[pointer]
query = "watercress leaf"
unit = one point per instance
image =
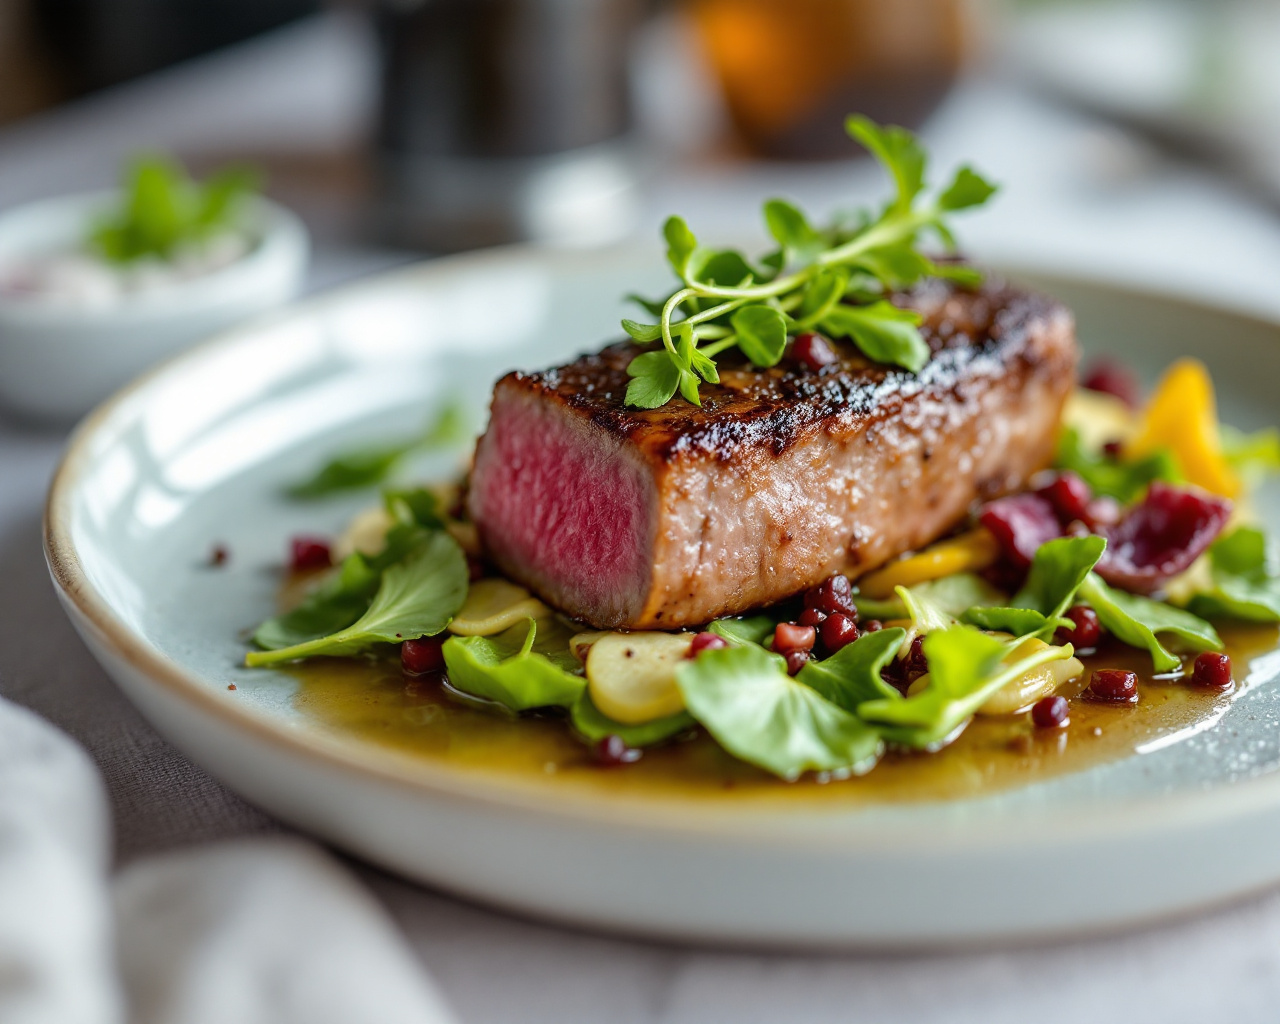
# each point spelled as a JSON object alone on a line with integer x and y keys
{"x": 752, "y": 630}
{"x": 1140, "y": 621}
{"x": 689, "y": 387}
{"x": 1253, "y": 456}
{"x": 960, "y": 273}
{"x": 725, "y": 267}
{"x": 643, "y": 333}
{"x": 594, "y": 725}
{"x": 416, "y": 597}
{"x": 882, "y": 331}
{"x": 506, "y": 669}
{"x": 338, "y": 601}
{"x": 745, "y": 699}
{"x": 967, "y": 189}
{"x": 704, "y": 366}
{"x": 414, "y": 506}
{"x": 852, "y": 675}
{"x": 771, "y": 264}
{"x": 965, "y": 668}
{"x": 653, "y": 307}
{"x": 1058, "y": 569}
{"x": 822, "y": 293}
{"x": 792, "y": 230}
{"x": 1244, "y": 586}
{"x": 953, "y": 595}
{"x": 897, "y": 266}
{"x": 1122, "y": 480}
{"x": 899, "y": 152}
{"x": 762, "y": 333}
{"x": 655, "y": 378}
{"x": 925, "y": 615}
{"x": 1020, "y": 622}
{"x": 681, "y": 245}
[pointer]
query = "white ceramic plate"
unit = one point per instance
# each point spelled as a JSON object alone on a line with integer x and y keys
{"x": 198, "y": 452}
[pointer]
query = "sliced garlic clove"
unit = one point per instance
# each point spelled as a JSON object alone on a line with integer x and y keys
{"x": 366, "y": 533}
{"x": 494, "y": 605}
{"x": 580, "y": 643}
{"x": 632, "y": 676}
{"x": 1019, "y": 694}
{"x": 467, "y": 536}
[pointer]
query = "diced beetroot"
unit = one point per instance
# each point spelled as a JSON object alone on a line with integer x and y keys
{"x": 1111, "y": 378}
{"x": 309, "y": 553}
{"x": 1070, "y": 497}
{"x": 706, "y": 642}
{"x": 1020, "y": 523}
{"x": 1161, "y": 537}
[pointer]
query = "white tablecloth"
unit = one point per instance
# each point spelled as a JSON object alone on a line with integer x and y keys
{"x": 1076, "y": 197}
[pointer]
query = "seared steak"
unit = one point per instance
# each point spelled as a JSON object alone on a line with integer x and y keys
{"x": 670, "y": 517}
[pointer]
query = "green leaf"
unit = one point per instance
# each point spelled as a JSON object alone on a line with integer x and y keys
{"x": 753, "y": 630}
{"x": 966, "y": 277}
{"x": 334, "y": 605}
{"x": 1253, "y": 456}
{"x": 594, "y": 725}
{"x": 851, "y": 676}
{"x": 655, "y": 379}
{"x": 882, "y": 331}
{"x": 653, "y": 307}
{"x": 416, "y": 597}
{"x": 821, "y": 295}
{"x": 899, "y": 152}
{"x": 966, "y": 668}
{"x": 365, "y": 467}
{"x": 727, "y": 268}
{"x": 792, "y": 230}
{"x": 704, "y": 366}
{"x": 762, "y": 334}
{"x": 897, "y": 266}
{"x": 414, "y": 506}
{"x": 643, "y": 333}
{"x": 689, "y": 387}
{"x": 745, "y": 699}
{"x": 508, "y": 670}
{"x": 967, "y": 189}
{"x": 1058, "y": 570}
{"x": 1139, "y": 621}
{"x": 1124, "y": 481}
{"x": 223, "y": 192}
{"x": 1244, "y": 586}
{"x": 681, "y": 245}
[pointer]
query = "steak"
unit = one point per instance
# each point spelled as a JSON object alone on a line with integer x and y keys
{"x": 671, "y": 517}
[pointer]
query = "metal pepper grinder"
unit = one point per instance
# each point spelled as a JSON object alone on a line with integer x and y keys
{"x": 506, "y": 120}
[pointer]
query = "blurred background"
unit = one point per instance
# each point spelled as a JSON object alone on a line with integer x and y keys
{"x": 1126, "y": 132}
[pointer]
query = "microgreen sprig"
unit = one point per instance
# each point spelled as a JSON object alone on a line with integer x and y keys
{"x": 833, "y": 280}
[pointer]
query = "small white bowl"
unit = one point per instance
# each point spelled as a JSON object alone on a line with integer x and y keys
{"x": 57, "y": 361}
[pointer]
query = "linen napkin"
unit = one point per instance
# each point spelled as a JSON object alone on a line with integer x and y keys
{"x": 256, "y": 931}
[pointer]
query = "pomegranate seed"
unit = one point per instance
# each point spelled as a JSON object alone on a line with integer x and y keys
{"x": 422, "y": 656}
{"x": 706, "y": 642}
{"x": 219, "y": 555}
{"x": 1114, "y": 684}
{"x": 309, "y": 553}
{"x": 834, "y": 594}
{"x": 796, "y": 661}
{"x": 790, "y": 637}
{"x": 1086, "y": 632}
{"x": 916, "y": 664}
{"x": 811, "y": 617}
{"x": 1213, "y": 670}
{"x": 814, "y": 351}
{"x": 872, "y": 626}
{"x": 1113, "y": 379}
{"x": 1050, "y": 712}
{"x": 838, "y": 632}
{"x": 1113, "y": 449}
{"x": 1069, "y": 496}
{"x": 612, "y": 751}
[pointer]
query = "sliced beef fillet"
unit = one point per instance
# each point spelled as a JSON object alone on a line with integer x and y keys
{"x": 670, "y": 517}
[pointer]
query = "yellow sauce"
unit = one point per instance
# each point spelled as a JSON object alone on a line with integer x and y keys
{"x": 372, "y": 701}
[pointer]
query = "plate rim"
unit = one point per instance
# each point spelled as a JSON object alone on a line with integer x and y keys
{"x": 697, "y": 816}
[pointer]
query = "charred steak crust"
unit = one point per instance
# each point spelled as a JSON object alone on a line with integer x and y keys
{"x": 782, "y": 476}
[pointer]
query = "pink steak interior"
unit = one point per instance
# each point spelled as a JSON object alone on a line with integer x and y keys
{"x": 564, "y": 508}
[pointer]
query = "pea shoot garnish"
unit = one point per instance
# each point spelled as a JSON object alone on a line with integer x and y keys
{"x": 834, "y": 280}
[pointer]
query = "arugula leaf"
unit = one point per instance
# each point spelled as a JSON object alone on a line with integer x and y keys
{"x": 1253, "y": 456}
{"x": 416, "y": 597}
{"x": 1058, "y": 569}
{"x": 681, "y": 245}
{"x": 594, "y": 725}
{"x": 655, "y": 379}
{"x": 762, "y": 334}
{"x": 365, "y": 467}
{"x": 965, "y": 668}
{"x": 1138, "y": 622}
{"x": 745, "y": 699}
{"x": 882, "y": 331}
{"x": 334, "y": 605}
{"x": 1125, "y": 481}
{"x": 852, "y": 675}
{"x": 792, "y": 230}
{"x": 1244, "y": 585}
{"x": 968, "y": 188}
{"x": 507, "y": 670}
{"x": 897, "y": 149}
{"x": 754, "y": 630}
{"x": 821, "y": 296}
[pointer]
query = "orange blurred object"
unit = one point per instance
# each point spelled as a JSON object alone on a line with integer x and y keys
{"x": 792, "y": 69}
